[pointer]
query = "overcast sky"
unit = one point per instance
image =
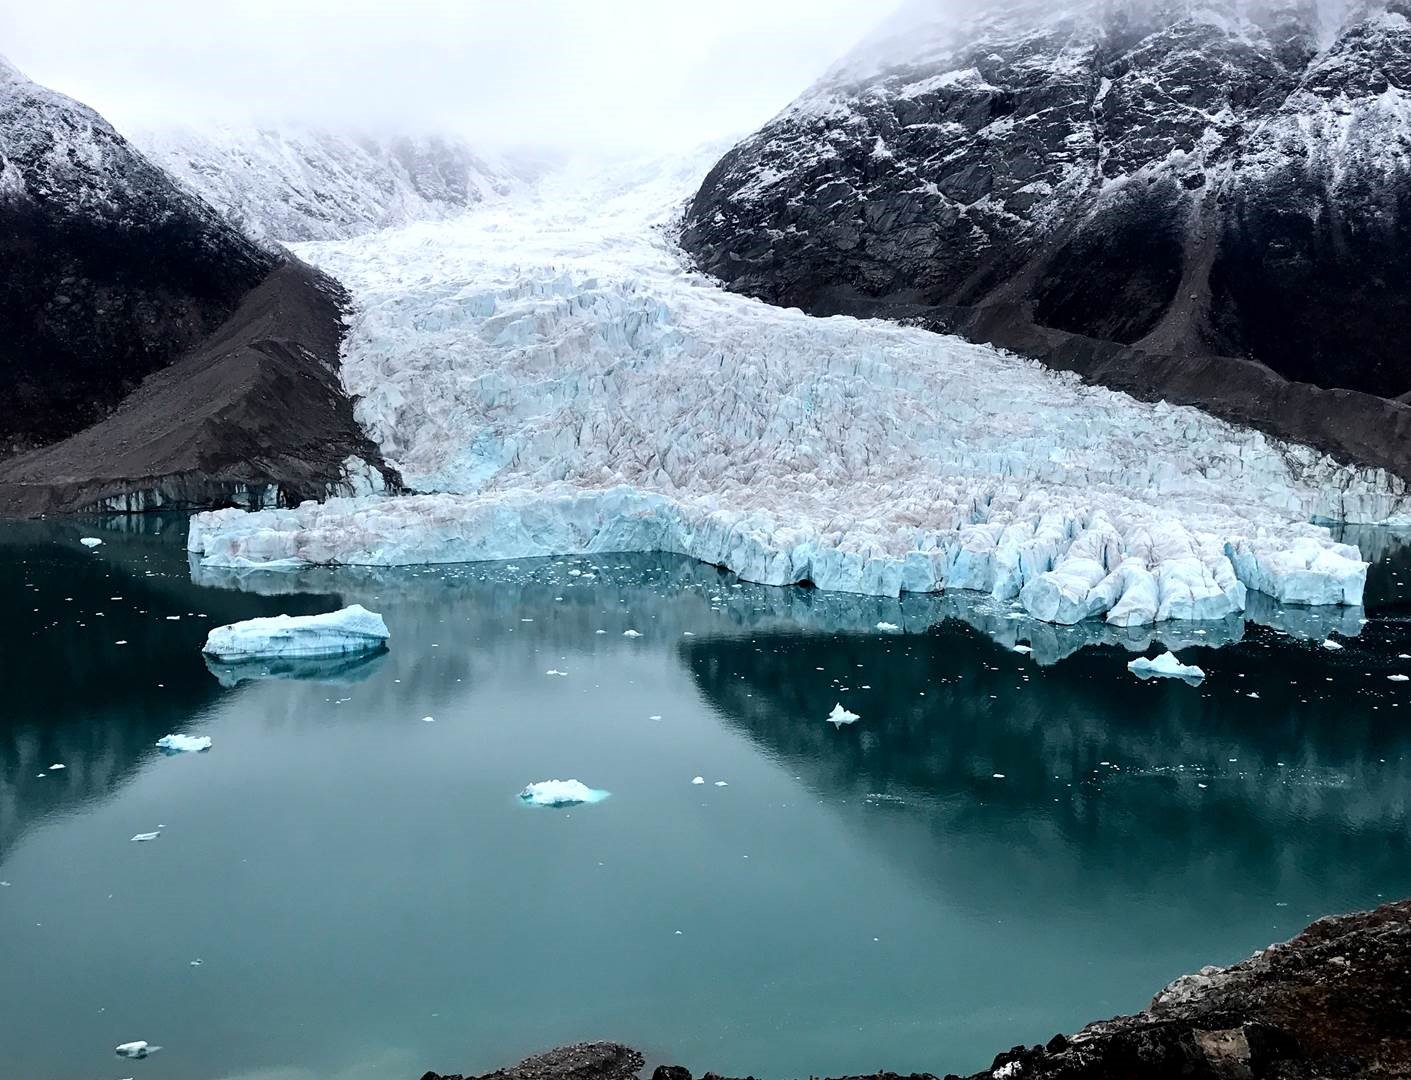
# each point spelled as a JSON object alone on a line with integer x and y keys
{"x": 630, "y": 73}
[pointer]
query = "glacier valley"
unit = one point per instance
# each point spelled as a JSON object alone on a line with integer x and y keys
{"x": 553, "y": 378}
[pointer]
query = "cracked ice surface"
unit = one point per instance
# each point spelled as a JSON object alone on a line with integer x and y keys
{"x": 565, "y": 386}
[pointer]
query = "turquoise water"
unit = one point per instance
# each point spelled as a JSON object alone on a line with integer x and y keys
{"x": 367, "y": 896}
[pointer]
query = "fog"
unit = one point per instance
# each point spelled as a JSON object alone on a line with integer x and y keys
{"x": 570, "y": 73}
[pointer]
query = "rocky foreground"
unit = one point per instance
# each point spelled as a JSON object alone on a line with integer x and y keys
{"x": 1333, "y": 1002}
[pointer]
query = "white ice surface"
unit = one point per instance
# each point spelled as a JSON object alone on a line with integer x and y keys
{"x": 90, "y": 541}
{"x": 551, "y": 371}
{"x": 840, "y": 716}
{"x": 351, "y": 630}
{"x": 139, "y": 1049}
{"x": 1164, "y": 666}
{"x": 184, "y": 744}
{"x": 561, "y": 793}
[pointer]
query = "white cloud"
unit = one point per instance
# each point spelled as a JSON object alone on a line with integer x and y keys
{"x": 556, "y": 72}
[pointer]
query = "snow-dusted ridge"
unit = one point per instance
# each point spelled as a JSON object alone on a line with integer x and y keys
{"x": 295, "y": 184}
{"x": 551, "y": 369}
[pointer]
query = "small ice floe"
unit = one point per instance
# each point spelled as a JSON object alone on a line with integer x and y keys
{"x": 840, "y": 716}
{"x": 698, "y": 779}
{"x": 184, "y": 744}
{"x": 1021, "y": 649}
{"x": 559, "y": 793}
{"x": 1399, "y": 678}
{"x": 90, "y": 542}
{"x": 555, "y": 671}
{"x": 722, "y": 783}
{"x": 1253, "y": 694}
{"x": 630, "y": 633}
{"x": 1164, "y": 666}
{"x": 888, "y": 627}
{"x": 139, "y": 1049}
{"x": 197, "y": 962}
{"x": 57, "y": 766}
{"x": 1331, "y": 645}
{"x": 351, "y": 630}
{"x": 997, "y": 776}
{"x": 428, "y": 719}
{"x": 143, "y": 837}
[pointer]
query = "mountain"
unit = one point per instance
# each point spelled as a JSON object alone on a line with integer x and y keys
{"x": 1151, "y": 192}
{"x": 300, "y": 184}
{"x": 111, "y": 269}
{"x": 152, "y": 354}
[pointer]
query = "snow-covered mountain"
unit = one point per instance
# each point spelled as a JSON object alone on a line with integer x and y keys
{"x": 108, "y": 268}
{"x": 292, "y": 184}
{"x": 151, "y": 353}
{"x": 1108, "y": 183}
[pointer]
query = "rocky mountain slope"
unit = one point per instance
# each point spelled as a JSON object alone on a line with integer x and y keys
{"x": 153, "y": 355}
{"x": 298, "y": 184}
{"x": 1331, "y": 1003}
{"x": 110, "y": 269}
{"x": 1132, "y": 188}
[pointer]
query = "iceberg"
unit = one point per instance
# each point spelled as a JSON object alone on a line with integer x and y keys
{"x": 352, "y": 630}
{"x": 139, "y": 1049}
{"x": 1164, "y": 666}
{"x": 840, "y": 716}
{"x": 143, "y": 837}
{"x": 559, "y": 793}
{"x": 90, "y": 541}
{"x": 184, "y": 744}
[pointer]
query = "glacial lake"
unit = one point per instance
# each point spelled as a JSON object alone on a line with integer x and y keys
{"x": 998, "y": 850}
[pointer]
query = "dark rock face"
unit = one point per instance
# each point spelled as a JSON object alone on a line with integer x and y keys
{"x": 1128, "y": 178}
{"x": 1332, "y": 1003}
{"x": 255, "y": 414}
{"x": 108, "y": 270}
{"x": 582, "y": 1061}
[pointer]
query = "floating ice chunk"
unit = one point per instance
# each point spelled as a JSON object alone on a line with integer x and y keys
{"x": 90, "y": 542}
{"x": 56, "y": 767}
{"x": 840, "y": 716}
{"x": 143, "y": 837}
{"x": 998, "y": 776}
{"x": 1164, "y": 666}
{"x": 555, "y": 671}
{"x": 428, "y": 719}
{"x": 561, "y": 793}
{"x": 139, "y": 1049}
{"x": 722, "y": 783}
{"x": 351, "y": 630}
{"x": 888, "y": 627}
{"x": 1399, "y": 678}
{"x": 1022, "y": 649}
{"x": 698, "y": 779}
{"x": 630, "y": 633}
{"x": 184, "y": 744}
{"x": 1331, "y": 645}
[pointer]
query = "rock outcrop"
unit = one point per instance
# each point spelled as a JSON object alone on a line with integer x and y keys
{"x": 1205, "y": 202}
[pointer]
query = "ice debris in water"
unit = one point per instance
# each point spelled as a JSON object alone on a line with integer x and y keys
{"x": 630, "y": 633}
{"x": 57, "y": 766}
{"x": 1331, "y": 645}
{"x": 888, "y": 627}
{"x": 1399, "y": 678}
{"x": 90, "y": 542}
{"x": 1164, "y": 666}
{"x": 1022, "y": 649}
{"x": 698, "y": 779}
{"x": 139, "y": 1049}
{"x": 840, "y": 716}
{"x": 184, "y": 744}
{"x": 353, "y": 629}
{"x": 561, "y": 793}
{"x": 143, "y": 837}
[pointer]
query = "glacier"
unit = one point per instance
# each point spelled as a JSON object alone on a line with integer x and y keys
{"x": 354, "y": 629}
{"x": 555, "y": 380}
